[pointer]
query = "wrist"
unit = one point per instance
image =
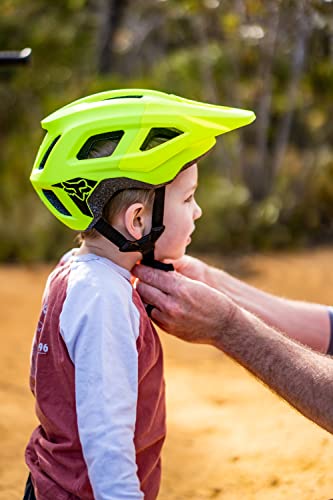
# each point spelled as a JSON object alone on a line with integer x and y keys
{"x": 230, "y": 317}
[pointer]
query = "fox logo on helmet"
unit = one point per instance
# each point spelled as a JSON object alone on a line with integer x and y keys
{"x": 79, "y": 190}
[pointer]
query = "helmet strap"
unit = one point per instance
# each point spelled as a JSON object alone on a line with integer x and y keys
{"x": 146, "y": 244}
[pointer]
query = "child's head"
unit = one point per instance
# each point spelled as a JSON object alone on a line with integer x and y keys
{"x": 122, "y": 163}
{"x": 130, "y": 210}
{"x": 122, "y": 200}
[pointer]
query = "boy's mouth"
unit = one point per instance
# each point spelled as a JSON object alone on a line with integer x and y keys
{"x": 189, "y": 238}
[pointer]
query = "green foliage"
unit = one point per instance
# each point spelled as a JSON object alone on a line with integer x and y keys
{"x": 298, "y": 212}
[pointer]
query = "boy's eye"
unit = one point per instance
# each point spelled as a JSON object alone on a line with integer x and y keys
{"x": 190, "y": 198}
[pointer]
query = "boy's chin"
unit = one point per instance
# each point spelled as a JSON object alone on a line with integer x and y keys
{"x": 163, "y": 257}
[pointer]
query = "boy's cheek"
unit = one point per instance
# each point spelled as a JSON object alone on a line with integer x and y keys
{"x": 170, "y": 250}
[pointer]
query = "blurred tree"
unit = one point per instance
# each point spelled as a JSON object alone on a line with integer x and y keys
{"x": 111, "y": 13}
{"x": 302, "y": 28}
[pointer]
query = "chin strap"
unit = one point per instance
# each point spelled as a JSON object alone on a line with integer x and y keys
{"x": 156, "y": 222}
{"x": 146, "y": 244}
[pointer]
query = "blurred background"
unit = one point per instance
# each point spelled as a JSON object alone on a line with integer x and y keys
{"x": 267, "y": 186}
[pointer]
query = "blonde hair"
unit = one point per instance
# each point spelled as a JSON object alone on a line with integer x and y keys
{"x": 122, "y": 199}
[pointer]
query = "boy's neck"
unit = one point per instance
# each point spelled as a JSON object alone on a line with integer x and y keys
{"x": 104, "y": 248}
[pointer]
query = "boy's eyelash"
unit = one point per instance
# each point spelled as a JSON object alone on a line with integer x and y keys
{"x": 189, "y": 198}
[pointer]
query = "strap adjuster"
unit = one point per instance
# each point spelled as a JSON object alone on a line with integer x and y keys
{"x": 144, "y": 244}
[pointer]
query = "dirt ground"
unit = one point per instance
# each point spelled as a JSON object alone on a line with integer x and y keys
{"x": 229, "y": 437}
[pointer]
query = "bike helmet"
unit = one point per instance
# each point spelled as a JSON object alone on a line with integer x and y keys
{"x": 157, "y": 134}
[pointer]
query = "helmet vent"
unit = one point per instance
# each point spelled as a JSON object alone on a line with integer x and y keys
{"x": 100, "y": 146}
{"x": 47, "y": 154}
{"x": 124, "y": 97}
{"x": 55, "y": 202}
{"x": 158, "y": 136}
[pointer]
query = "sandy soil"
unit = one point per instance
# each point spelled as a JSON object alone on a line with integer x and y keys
{"x": 228, "y": 436}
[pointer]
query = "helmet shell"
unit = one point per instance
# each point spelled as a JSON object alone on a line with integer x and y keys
{"x": 66, "y": 180}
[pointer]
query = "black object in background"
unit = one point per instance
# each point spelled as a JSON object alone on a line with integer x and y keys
{"x": 15, "y": 57}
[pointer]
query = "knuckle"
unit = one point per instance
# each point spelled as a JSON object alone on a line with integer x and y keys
{"x": 180, "y": 286}
{"x": 171, "y": 310}
{"x": 174, "y": 310}
{"x": 140, "y": 288}
{"x": 148, "y": 274}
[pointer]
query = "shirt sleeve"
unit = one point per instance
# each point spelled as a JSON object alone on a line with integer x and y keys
{"x": 100, "y": 331}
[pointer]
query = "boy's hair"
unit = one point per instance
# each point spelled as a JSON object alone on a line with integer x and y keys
{"x": 122, "y": 199}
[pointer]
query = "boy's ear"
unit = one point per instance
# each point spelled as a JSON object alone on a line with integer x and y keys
{"x": 135, "y": 222}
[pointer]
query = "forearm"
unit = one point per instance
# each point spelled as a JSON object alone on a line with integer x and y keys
{"x": 299, "y": 375}
{"x": 305, "y": 322}
{"x": 195, "y": 312}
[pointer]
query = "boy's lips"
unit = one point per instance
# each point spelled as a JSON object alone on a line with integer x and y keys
{"x": 189, "y": 238}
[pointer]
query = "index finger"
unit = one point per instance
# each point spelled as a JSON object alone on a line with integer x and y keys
{"x": 162, "y": 280}
{"x": 151, "y": 295}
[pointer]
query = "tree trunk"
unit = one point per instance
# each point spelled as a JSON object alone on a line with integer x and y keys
{"x": 302, "y": 31}
{"x": 205, "y": 66}
{"x": 111, "y": 13}
{"x": 258, "y": 177}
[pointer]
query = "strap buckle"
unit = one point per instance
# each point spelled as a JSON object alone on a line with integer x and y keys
{"x": 144, "y": 244}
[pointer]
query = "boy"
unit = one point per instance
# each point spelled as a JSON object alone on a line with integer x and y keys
{"x": 120, "y": 167}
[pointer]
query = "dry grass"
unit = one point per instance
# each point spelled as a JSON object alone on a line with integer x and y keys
{"x": 228, "y": 436}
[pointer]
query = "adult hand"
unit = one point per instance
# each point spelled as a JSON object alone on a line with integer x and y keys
{"x": 192, "y": 268}
{"x": 183, "y": 307}
{"x": 195, "y": 312}
{"x": 200, "y": 271}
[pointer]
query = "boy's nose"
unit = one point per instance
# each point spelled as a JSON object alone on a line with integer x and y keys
{"x": 197, "y": 212}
